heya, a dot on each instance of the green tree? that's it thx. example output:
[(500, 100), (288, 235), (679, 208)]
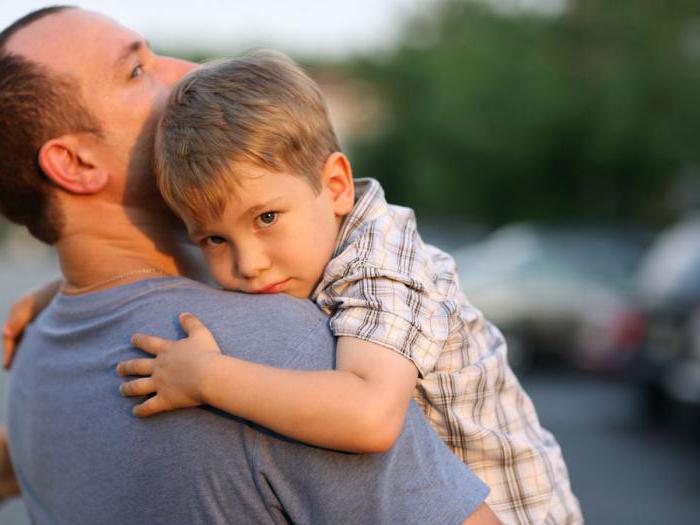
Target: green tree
[(498, 117)]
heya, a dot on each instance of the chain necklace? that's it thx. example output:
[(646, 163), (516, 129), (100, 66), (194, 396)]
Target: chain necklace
[(69, 289)]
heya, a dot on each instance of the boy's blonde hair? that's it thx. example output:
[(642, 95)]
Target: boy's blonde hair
[(260, 110)]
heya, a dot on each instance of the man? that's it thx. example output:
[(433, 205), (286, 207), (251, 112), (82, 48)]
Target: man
[(75, 169)]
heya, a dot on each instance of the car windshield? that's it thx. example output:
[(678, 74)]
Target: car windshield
[(522, 252), (671, 270)]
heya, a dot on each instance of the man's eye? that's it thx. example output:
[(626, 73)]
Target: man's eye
[(136, 72), (214, 240), (267, 219)]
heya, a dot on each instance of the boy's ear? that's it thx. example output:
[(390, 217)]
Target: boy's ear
[(68, 161), (337, 179)]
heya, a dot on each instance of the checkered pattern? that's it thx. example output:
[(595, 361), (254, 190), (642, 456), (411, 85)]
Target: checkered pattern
[(385, 285)]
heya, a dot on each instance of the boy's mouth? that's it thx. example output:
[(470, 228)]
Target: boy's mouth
[(273, 288)]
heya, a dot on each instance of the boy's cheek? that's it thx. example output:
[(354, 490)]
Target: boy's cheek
[(227, 281), (299, 294), (227, 284), (221, 274), (301, 289)]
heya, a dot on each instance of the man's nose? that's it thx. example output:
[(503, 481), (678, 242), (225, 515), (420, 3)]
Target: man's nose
[(174, 69)]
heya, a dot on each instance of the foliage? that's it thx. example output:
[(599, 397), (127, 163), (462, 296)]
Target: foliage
[(496, 117)]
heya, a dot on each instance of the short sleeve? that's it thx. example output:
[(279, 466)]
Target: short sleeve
[(418, 481), (385, 285), (390, 309)]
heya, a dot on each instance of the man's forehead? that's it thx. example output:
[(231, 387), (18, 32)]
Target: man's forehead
[(62, 39)]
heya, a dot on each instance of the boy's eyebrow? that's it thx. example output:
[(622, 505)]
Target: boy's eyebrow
[(195, 228), (195, 231), (198, 229), (265, 206)]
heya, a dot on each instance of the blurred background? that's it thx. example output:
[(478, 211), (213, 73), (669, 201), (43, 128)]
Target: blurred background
[(552, 147)]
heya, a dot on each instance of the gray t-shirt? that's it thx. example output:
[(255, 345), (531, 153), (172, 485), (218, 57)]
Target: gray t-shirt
[(82, 458)]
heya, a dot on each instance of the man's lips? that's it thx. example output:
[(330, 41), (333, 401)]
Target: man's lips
[(273, 288)]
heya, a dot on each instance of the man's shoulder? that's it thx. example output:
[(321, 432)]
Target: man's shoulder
[(184, 292), (255, 327), (272, 329)]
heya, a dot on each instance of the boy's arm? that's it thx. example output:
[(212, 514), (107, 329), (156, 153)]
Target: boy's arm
[(21, 314), (9, 486), (483, 515), (359, 407)]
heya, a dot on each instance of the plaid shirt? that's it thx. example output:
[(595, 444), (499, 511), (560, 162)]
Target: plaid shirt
[(386, 286)]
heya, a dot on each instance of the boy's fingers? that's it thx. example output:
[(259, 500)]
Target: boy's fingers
[(191, 324), (138, 387), (148, 343), (10, 338), (149, 407), (7, 329), (136, 367), (8, 350), (20, 316)]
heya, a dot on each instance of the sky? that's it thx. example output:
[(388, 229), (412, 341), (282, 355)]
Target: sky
[(306, 27), (325, 28)]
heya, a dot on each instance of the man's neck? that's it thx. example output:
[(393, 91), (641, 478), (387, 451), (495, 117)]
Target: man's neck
[(119, 242)]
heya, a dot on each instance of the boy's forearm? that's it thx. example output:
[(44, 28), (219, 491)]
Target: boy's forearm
[(9, 486), (23, 312), (333, 408), (47, 292)]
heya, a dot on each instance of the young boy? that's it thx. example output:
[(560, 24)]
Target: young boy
[(247, 157)]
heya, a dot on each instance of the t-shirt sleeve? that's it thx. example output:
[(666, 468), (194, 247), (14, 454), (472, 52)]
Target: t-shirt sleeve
[(417, 481), (390, 309)]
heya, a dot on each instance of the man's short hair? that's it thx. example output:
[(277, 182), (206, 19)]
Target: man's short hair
[(35, 106), (260, 110)]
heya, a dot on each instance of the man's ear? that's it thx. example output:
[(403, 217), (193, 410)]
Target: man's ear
[(337, 179), (68, 161)]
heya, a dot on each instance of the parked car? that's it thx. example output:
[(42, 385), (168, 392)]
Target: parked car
[(559, 292), (668, 289)]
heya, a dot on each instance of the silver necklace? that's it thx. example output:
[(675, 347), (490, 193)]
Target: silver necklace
[(70, 289)]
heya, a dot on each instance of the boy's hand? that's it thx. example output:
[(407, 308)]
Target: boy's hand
[(21, 314), (176, 374)]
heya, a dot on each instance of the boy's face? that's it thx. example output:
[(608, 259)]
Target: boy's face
[(277, 234)]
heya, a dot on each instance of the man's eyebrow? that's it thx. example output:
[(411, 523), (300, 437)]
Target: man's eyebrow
[(132, 48)]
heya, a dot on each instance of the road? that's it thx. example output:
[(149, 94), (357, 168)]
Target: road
[(623, 471)]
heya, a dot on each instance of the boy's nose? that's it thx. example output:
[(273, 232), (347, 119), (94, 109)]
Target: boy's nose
[(251, 264)]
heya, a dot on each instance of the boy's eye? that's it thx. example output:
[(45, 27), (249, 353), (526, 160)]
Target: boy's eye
[(214, 240), (137, 71), (267, 219)]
